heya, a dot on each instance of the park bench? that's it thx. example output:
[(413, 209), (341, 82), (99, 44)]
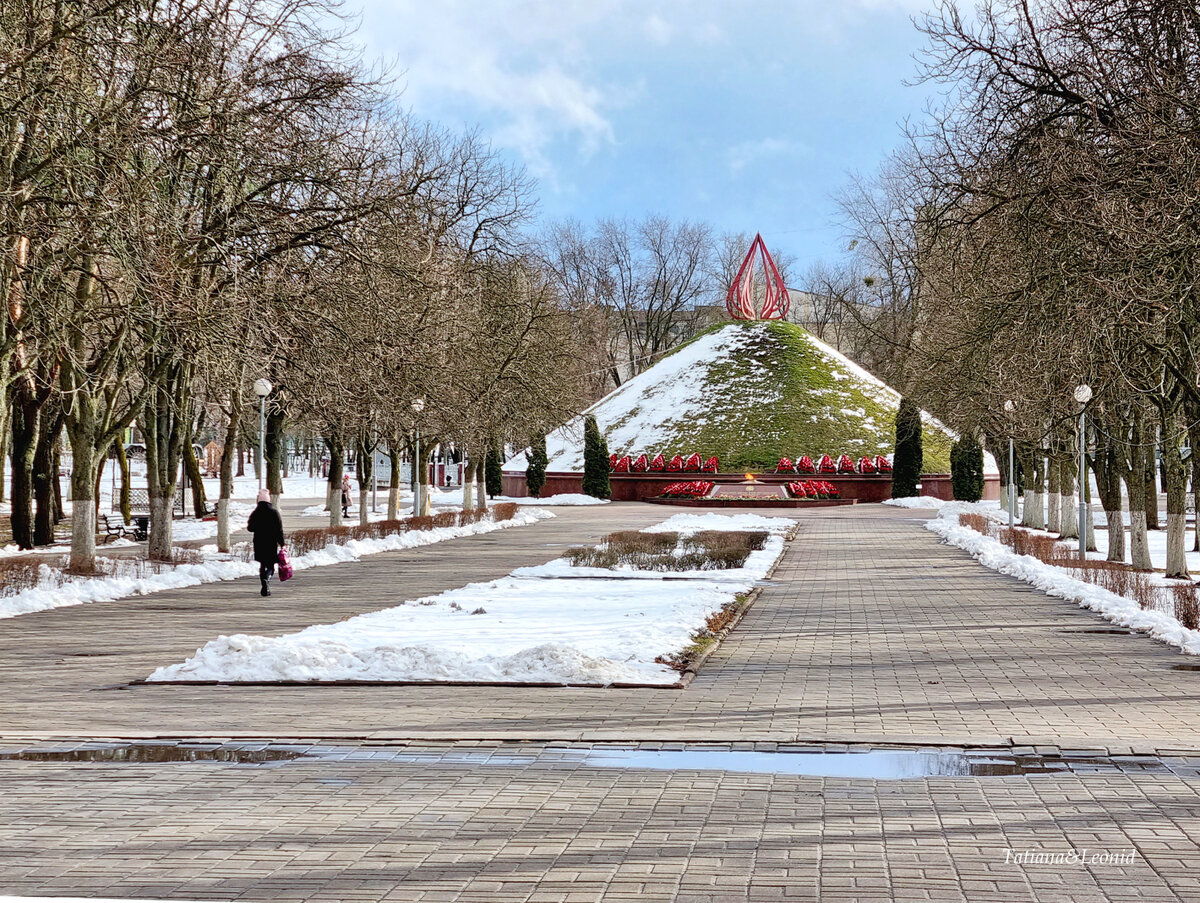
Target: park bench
[(115, 528)]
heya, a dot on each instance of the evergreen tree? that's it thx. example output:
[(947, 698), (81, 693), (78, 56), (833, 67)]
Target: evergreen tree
[(907, 460), (966, 467), (493, 476), (595, 460), (535, 472)]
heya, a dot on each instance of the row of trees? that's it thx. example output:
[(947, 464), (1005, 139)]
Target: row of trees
[(197, 194), (1039, 232)]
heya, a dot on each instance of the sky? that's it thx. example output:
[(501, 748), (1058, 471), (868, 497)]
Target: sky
[(750, 115)]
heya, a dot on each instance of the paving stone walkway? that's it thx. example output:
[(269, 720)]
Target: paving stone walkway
[(870, 632)]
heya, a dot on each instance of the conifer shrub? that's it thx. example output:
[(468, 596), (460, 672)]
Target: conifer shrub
[(535, 472), (493, 476), (595, 461), (907, 460), (966, 469)]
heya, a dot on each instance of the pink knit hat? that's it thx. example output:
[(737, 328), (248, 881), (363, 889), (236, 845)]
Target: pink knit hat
[(264, 495)]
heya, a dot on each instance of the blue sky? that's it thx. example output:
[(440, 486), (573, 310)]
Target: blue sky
[(747, 115)]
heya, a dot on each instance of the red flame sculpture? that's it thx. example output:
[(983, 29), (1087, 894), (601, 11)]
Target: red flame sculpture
[(740, 300)]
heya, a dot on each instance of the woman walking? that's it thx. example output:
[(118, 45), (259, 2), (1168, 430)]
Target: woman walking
[(346, 495), (267, 527)]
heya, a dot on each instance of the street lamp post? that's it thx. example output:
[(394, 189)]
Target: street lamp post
[(1009, 407), (262, 388), (1083, 394), (418, 406)]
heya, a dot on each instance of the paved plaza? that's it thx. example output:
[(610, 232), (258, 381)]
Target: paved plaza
[(869, 635)]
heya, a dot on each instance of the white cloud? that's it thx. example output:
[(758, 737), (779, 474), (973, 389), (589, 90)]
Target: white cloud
[(748, 152), (543, 71), (658, 29)]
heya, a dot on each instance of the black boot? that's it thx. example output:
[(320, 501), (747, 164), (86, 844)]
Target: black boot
[(264, 577)]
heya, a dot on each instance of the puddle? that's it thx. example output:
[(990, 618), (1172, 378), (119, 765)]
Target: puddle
[(1124, 630), (864, 764), (1186, 666)]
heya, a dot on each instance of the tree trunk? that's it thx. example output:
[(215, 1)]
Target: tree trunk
[(4, 424), (393, 501), (162, 526), (1152, 522), (1068, 502), (226, 471), (423, 476), (366, 473), (274, 452), (241, 456), (60, 513), (124, 502), (481, 499), (44, 477), (337, 457), (199, 500), (1055, 499), (1033, 472), (1107, 467), (167, 426), (24, 443), (1135, 487), (1176, 487), (468, 498), (1194, 441), (83, 508)]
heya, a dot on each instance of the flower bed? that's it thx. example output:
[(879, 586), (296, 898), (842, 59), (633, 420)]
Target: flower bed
[(693, 463), (695, 489), (812, 489)]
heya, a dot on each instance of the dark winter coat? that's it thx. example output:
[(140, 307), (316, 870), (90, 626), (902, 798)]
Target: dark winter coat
[(267, 527)]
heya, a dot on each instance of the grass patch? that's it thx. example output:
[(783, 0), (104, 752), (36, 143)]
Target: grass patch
[(778, 394), (707, 637)]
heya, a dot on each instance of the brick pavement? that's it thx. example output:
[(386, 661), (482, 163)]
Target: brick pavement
[(870, 632), (532, 831)]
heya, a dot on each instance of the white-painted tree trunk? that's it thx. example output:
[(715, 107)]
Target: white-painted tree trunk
[(222, 524), (1069, 506), (1116, 535), (468, 488), (83, 510), (1068, 520), (83, 534), (1004, 497), (334, 500), (481, 499), (1032, 513), (1139, 543), (1054, 490), (161, 527), (1177, 546)]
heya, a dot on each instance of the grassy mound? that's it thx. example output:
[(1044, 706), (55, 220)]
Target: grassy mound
[(749, 393)]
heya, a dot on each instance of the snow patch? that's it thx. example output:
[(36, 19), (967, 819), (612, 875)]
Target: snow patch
[(528, 627), (1055, 581)]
